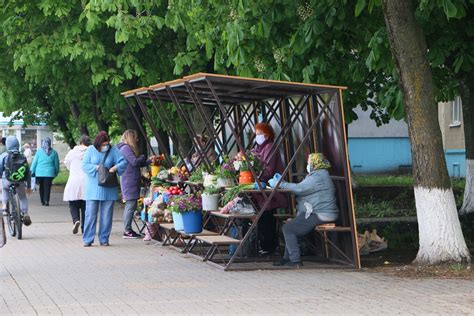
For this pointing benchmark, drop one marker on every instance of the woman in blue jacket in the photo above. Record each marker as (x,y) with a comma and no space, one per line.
(100,198)
(315,204)
(45,167)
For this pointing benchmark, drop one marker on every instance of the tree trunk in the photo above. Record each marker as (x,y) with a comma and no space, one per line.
(66,131)
(97,113)
(466,87)
(441,238)
(76,113)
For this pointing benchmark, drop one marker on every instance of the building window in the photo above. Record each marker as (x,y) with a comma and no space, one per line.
(456,118)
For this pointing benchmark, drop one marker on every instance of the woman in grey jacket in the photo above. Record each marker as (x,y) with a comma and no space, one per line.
(316,204)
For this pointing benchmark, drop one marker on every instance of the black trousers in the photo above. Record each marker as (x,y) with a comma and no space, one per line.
(267,233)
(78,211)
(45,188)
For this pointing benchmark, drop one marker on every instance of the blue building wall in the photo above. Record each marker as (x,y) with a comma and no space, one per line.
(456,162)
(390,154)
(379,155)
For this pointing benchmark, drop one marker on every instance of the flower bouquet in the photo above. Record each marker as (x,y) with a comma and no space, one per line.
(243,164)
(156,163)
(225,173)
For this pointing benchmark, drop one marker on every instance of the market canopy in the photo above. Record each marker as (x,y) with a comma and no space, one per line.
(306,118)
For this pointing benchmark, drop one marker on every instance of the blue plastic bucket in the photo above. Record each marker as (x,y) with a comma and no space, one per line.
(177,220)
(166,197)
(192,222)
(143,215)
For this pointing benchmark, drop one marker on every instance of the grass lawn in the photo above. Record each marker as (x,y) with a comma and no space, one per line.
(399,180)
(61,179)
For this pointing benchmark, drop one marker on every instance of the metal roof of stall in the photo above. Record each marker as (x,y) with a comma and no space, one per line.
(229,89)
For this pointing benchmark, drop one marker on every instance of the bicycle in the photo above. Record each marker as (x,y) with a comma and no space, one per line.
(14,216)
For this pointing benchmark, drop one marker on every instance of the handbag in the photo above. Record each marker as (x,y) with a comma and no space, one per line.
(106,178)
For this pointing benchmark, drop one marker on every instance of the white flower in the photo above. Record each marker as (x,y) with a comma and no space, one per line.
(237,165)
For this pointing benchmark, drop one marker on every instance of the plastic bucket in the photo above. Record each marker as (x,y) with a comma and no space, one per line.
(192,222)
(177,220)
(210,202)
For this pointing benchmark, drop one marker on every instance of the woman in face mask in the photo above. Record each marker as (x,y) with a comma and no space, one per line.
(315,205)
(268,236)
(100,198)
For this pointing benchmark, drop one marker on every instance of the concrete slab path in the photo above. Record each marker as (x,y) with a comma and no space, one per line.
(50,272)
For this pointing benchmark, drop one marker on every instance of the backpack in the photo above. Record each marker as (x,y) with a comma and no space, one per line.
(16,167)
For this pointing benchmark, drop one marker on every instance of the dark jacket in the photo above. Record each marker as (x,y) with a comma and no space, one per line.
(271,165)
(130,179)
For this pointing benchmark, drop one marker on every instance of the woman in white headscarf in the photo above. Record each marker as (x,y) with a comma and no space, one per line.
(45,167)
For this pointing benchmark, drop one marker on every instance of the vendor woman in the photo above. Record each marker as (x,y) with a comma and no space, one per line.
(268,235)
(316,204)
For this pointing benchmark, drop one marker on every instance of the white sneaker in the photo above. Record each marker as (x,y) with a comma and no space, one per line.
(75,227)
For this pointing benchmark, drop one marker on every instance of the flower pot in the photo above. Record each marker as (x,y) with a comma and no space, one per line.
(225,182)
(155,170)
(210,202)
(178,221)
(192,222)
(245,177)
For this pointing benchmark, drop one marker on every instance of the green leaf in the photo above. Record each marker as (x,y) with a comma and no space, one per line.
(360,5)
(449,9)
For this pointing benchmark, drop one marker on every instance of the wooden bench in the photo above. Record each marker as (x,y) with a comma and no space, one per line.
(216,241)
(168,229)
(189,245)
(323,231)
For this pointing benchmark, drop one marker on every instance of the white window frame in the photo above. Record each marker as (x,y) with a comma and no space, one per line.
(456,112)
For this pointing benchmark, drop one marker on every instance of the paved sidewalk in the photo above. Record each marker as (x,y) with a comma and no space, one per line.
(49,272)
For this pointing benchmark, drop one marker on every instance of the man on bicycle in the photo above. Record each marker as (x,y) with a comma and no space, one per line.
(23,175)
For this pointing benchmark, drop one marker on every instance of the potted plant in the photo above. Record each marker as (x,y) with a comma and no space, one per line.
(225,174)
(242,164)
(210,199)
(187,210)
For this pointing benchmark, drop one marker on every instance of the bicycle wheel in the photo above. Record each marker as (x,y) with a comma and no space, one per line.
(17,217)
(10,221)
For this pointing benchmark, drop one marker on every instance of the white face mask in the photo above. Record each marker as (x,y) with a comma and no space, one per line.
(308,168)
(260,139)
(104,148)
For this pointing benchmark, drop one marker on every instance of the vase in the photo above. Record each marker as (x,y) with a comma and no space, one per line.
(155,170)
(245,177)
(225,182)
(192,222)
(210,202)
(178,221)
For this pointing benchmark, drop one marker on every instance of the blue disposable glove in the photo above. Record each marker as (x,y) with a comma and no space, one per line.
(272,182)
(256,187)
(277,176)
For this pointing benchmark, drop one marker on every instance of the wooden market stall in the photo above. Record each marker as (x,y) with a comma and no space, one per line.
(306,117)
